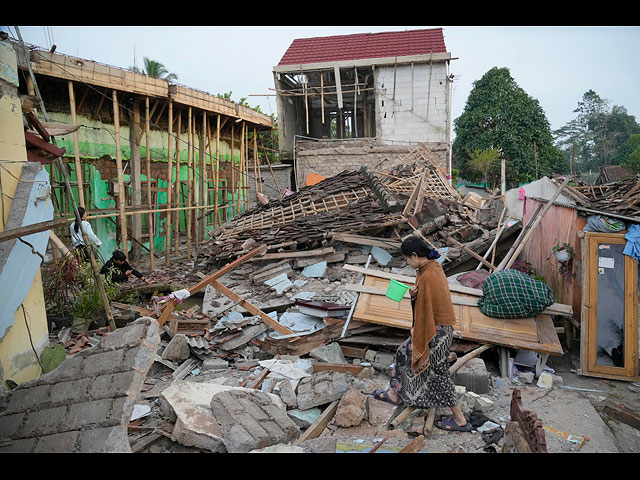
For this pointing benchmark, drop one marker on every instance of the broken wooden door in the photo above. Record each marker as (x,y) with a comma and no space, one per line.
(610,310)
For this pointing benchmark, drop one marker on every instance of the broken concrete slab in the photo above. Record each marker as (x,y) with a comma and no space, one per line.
(331,353)
(189,404)
(178,349)
(316,270)
(279,283)
(325,387)
(85,404)
(381,256)
(251,420)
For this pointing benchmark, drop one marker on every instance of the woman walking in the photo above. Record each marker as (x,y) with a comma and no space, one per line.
(420,377)
(77,242)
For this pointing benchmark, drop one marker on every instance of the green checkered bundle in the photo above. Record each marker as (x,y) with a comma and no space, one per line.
(514,294)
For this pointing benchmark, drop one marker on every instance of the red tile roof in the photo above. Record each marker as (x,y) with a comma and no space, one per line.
(364,45)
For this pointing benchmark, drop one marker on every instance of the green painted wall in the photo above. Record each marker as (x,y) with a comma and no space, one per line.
(95,140)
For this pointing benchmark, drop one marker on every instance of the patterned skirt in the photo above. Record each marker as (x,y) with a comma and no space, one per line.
(433,387)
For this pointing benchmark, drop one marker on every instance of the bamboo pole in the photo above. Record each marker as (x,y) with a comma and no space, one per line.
(246,165)
(176,239)
(213,173)
(204,198)
(169,181)
(233,171)
(322,95)
(216,214)
(121,192)
(150,216)
(256,158)
(76,147)
(189,178)
(255,170)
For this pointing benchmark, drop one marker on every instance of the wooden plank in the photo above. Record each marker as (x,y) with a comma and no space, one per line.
(622,414)
(170,306)
(121,190)
(297,254)
(251,308)
(417,443)
(316,429)
(338,367)
(30,229)
(74,121)
(364,240)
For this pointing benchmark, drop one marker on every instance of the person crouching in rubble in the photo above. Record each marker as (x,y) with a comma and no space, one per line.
(118,270)
(420,376)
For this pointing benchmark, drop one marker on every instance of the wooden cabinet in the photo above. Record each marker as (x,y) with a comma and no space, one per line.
(609,328)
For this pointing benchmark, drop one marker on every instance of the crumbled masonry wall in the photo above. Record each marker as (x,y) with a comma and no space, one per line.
(283,179)
(84,405)
(330,157)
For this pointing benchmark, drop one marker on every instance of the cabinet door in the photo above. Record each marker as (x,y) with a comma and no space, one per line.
(611,346)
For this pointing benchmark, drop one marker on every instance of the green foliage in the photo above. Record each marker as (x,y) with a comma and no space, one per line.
(88,303)
(597,136)
(51,357)
(633,158)
(155,69)
(482,160)
(499,115)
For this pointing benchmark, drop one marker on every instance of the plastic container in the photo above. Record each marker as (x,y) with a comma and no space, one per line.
(396,290)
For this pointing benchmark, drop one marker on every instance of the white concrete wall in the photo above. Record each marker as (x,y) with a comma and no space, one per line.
(403,117)
(542,188)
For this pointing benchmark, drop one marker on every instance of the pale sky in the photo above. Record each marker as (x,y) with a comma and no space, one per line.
(556,65)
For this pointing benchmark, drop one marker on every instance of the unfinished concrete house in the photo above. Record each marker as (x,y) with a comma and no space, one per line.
(351,100)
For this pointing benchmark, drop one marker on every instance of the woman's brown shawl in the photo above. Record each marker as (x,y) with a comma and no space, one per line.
(431,304)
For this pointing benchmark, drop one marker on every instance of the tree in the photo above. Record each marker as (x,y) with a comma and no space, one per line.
(482,160)
(597,136)
(633,158)
(500,115)
(155,69)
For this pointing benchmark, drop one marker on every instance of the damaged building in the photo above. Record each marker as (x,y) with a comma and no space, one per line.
(266,327)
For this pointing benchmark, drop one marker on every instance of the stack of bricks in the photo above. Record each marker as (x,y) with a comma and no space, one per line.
(85,404)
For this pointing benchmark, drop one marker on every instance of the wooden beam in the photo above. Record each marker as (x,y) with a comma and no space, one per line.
(251,308)
(189,180)
(622,414)
(468,250)
(121,191)
(74,121)
(150,216)
(169,180)
(30,229)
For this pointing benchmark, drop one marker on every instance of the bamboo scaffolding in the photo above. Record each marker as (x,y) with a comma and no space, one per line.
(121,191)
(150,216)
(204,180)
(76,147)
(233,170)
(167,252)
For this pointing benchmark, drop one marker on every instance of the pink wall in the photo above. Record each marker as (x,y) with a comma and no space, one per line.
(559,225)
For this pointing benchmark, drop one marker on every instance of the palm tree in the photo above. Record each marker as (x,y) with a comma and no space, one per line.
(155,69)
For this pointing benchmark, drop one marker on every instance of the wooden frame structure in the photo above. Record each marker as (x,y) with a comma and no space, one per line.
(601,253)
(207,174)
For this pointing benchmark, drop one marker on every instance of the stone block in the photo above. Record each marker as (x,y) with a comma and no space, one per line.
(247,423)
(473,375)
(82,415)
(25,445)
(23,398)
(69,392)
(105,440)
(103,363)
(352,409)
(331,353)
(57,443)
(43,422)
(10,424)
(325,387)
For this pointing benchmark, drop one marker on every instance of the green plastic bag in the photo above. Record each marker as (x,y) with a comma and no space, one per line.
(51,357)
